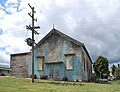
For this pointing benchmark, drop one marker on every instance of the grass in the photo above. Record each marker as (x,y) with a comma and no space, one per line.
(12,84)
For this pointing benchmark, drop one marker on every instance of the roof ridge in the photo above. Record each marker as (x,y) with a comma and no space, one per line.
(59,32)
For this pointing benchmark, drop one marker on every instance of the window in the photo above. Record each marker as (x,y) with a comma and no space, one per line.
(40,63)
(84,63)
(87,65)
(69,62)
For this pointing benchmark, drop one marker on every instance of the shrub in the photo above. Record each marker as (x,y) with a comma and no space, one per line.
(65,78)
(44,77)
(2,74)
(35,76)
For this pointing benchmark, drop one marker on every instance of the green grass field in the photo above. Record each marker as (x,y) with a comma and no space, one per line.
(11,84)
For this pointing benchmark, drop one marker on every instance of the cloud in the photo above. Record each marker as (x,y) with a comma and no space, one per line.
(2,14)
(3,55)
(13,30)
(95,23)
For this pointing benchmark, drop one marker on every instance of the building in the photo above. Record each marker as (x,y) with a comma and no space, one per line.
(19,64)
(58,55)
(4,70)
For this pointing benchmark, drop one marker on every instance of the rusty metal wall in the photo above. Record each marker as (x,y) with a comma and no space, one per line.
(54,49)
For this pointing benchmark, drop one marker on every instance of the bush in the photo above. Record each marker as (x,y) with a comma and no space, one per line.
(44,77)
(94,78)
(35,76)
(65,78)
(2,74)
(118,77)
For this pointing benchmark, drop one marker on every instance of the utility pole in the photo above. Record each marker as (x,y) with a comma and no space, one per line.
(30,41)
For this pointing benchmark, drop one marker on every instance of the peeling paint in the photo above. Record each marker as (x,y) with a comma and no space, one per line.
(54,49)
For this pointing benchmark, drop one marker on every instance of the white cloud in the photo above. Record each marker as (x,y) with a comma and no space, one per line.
(4,58)
(12,1)
(93,22)
(60,2)
(2,14)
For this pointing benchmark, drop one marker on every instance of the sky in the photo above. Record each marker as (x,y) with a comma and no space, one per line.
(96,23)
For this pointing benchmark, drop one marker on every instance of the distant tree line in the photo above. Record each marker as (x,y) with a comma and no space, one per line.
(116,71)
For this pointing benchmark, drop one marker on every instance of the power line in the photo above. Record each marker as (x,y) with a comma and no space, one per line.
(88,24)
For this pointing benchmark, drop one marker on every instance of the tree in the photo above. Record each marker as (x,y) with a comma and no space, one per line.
(113,69)
(101,66)
(116,71)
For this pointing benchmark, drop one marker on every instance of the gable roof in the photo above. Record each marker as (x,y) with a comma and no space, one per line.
(65,36)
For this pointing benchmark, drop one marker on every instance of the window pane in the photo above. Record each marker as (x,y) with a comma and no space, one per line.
(84,63)
(69,62)
(40,63)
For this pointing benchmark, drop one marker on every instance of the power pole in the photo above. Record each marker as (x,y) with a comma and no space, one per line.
(30,41)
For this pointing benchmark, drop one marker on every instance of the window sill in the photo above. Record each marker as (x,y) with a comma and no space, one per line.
(40,70)
(54,62)
(69,69)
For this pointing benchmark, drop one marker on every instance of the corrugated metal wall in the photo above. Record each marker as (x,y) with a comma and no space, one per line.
(54,49)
